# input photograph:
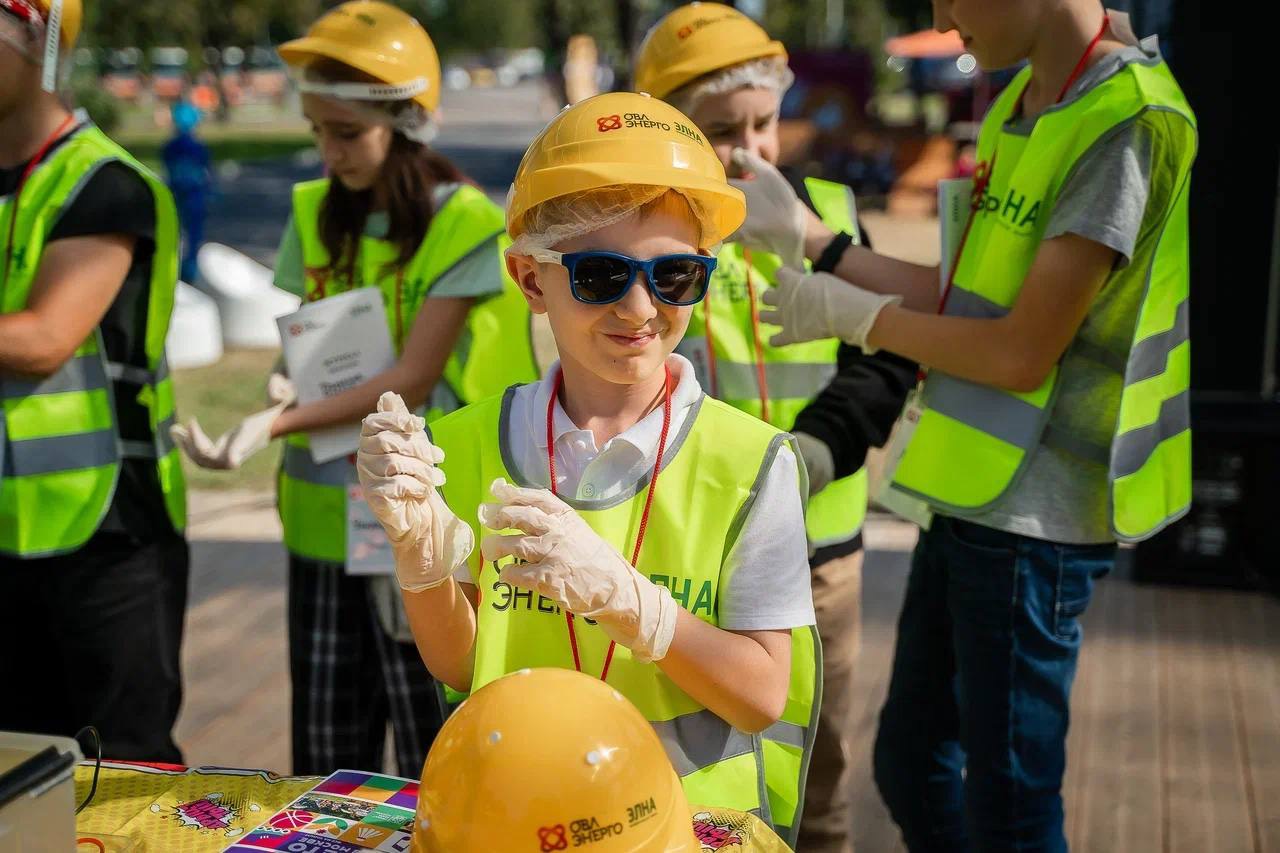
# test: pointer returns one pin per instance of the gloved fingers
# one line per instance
(280, 389)
(392, 414)
(381, 465)
(395, 489)
(508, 494)
(536, 577)
(781, 339)
(749, 163)
(529, 519)
(772, 317)
(786, 277)
(531, 549)
(415, 444)
(199, 447)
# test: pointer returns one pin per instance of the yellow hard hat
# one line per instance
(621, 139)
(72, 16)
(380, 40)
(550, 759)
(695, 40)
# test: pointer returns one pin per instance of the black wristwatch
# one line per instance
(834, 251)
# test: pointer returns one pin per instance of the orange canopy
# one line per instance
(925, 44)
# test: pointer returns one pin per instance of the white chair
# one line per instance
(247, 300)
(195, 330)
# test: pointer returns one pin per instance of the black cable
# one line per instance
(97, 767)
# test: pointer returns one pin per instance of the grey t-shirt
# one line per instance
(1062, 496)
(478, 275)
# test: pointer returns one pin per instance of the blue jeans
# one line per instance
(971, 747)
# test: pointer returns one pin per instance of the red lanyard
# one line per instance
(982, 175)
(557, 384)
(762, 381)
(17, 193)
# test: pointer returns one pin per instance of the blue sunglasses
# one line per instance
(600, 278)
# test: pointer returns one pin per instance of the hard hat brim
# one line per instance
(728, 202)
(300, 51)
(678, 75)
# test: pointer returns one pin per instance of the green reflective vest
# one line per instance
(61, 445)
(709, 481)
(793, 375)
(973, 441)
(493, 352)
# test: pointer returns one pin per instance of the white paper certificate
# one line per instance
(954, 208)
(331, 346)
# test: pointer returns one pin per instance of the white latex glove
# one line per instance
(813, 306)
(233, 447)
(397, 468)
(775, 215)
(818, 461)
(569, 563)
(280, 389)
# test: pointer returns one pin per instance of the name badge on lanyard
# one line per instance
(900, 503)
(368, 548)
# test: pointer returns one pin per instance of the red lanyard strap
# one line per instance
(984, 171)
(556, 386)
(17, 193)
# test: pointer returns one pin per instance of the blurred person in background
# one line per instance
(186, 160)
(93, 564)
(724, 72)
(394, 215)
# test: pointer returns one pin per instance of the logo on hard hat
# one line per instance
(553, 838)
(604, 124)
(691, 28)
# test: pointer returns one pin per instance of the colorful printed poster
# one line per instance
(348, 812)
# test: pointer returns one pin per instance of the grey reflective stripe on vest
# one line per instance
(786, 733)
(985, 408)
(1150, 356)
(162, 446)
(131, 374)
(966, 303)
(698, 740)
(786, 379)
(164, 441)
(1132, 449)
(81, 373)
(35, 456)
(299, 465)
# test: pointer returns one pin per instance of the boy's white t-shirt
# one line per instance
(765, 577)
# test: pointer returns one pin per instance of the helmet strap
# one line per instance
(52, 34)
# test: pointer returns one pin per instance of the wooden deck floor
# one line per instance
(1174, 745)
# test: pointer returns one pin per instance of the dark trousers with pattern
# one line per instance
(350, 678)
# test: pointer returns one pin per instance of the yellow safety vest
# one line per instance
(704, 495)
(494, 351)
(973, 441)
(59, 435)
(793, 375)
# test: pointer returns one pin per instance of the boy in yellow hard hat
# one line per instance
(653, 537)
(724, 71)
